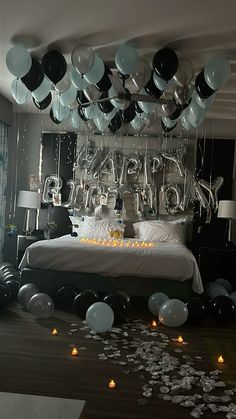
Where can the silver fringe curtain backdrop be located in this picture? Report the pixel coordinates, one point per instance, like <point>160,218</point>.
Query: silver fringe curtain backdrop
<point>3,180</point>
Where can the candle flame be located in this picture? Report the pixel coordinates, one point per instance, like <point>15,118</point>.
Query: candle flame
<point>154,323</point>
<point>74,352</point>
<point>180,339</point>
<point>54,332</point>
<point>112,384</point>
<point>221,359</point>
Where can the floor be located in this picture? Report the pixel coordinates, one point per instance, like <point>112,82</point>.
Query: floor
<point>32,361</point>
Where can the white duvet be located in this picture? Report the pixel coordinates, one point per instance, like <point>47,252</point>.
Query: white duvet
<point>163,260</point>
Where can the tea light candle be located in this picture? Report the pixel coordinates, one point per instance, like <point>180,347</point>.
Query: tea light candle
<point>154,323</point>
<point>54,332</point>
<point>221,359</point>
<point>74,352</point>
<point>112,384</point>
<point>180,339</point>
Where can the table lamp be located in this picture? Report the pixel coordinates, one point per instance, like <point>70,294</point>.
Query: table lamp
<point>227,209</point>
<point>29,200</point>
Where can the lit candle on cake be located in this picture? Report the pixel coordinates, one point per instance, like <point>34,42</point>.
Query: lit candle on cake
<point>54,332</point>
<point>221,359</point>
<point>112,384</point>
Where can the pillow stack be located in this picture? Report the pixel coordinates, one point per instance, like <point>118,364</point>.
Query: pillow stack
<point>97,229</point>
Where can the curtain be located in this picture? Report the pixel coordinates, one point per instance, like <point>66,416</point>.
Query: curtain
<point>3,181</point>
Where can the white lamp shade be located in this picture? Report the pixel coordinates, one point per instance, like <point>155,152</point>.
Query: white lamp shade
<point>29,199</point>
<point>227,209</point>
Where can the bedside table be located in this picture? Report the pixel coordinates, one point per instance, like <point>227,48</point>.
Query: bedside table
<point>217,262</point>
<point>22,243</point>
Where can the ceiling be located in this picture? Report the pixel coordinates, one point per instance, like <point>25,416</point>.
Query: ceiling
<point>196,29</point>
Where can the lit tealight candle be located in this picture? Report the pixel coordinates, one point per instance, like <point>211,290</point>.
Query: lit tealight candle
<point>154,323</point>
<point>54,332</point>
<point>180,339</point>
<point>112,384</point>
<point>221,359</point>
<point>74,352</point>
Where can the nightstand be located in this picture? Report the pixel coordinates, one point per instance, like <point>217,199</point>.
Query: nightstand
<point>217,262</point>
<point>22,243</point>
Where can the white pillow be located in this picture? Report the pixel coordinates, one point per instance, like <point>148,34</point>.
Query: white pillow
<point>98,229</point>
<point>161,231</point>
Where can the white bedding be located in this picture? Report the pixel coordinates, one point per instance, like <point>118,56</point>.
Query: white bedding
<point>67,253</point>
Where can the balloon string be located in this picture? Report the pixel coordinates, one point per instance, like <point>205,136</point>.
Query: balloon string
<point>212,149</point>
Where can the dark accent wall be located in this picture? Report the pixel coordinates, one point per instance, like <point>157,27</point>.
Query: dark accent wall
<point>58,148</point>
<point>214,158</point>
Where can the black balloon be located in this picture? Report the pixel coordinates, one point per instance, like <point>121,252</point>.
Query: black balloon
<point>55,120</point>
<point>64,297</point>
<point>104,84</point>
<point>165,63</point>
<point>106,106</point>
<point>118,303</point>
<point>166,129</point>
<point>44,103</point>
<point>54,65</point>
<point>81,113</point>
<point>223,309</point>
<point>196,309</point>
<point>129,113</point>
<point>175,114</point>
<point>34,77</point>
<point>115,123</point>
<point>152,89</point>
<point>201,86</point>
<point>4,296</point>
<point>81,99</point>
<point>83,301</point>
<point>13,286</point>
<point>5,265</point>
<point>137,108</point>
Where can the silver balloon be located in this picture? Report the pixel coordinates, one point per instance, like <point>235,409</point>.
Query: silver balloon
<point>172,196</point>
<point>134,165</point>
<point>212,189</point>
<point>147,201</point>
<point>95,160</point>
<point>184,73</point>
<point>156,163</point>
<point>155,302</point>
<point>177,157</point>
<point>41,306</point>
<point>114,165</point>
<point>100,317</point>
<point>123,173</point>
<point>201,197</point>
<point>25,293</point>
<point>52,185</point>
<point>83,58</point>
<point>168,108</point>
<point>141,75</point>
<point>92,93</point>
<point>105,167</point>
<point>138,123</point>
<point>147,171</point>
<point>182,95</point>
<point>85,155</point>
<point>74,186</point>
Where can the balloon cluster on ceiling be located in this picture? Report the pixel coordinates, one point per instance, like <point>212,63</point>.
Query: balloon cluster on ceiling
<point>83,90</point>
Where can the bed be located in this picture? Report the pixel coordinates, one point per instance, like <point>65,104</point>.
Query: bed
<point>135,266</point>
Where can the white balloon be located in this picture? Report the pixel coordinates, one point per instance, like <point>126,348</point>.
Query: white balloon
<point>43,90</point>
<point>25,293</point>
<point>59,111</point>
<point>75,119</point>
<point>155,302</point>
<point>68,97</point>
<point>19,91</point>
<point>147,107</point>
<point>64,84</point>
<point>205,103</point>
<point>173,313</point>
<point>100,317</point>
<point>77,79</point>
<point>18,61</point>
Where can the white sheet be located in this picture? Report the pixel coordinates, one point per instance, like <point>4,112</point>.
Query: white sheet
<point>163,260</point>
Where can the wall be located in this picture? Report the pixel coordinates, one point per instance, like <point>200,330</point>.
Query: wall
<point>28,127</point>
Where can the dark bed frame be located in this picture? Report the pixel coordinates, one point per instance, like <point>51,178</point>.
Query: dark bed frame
<point>49,281</point>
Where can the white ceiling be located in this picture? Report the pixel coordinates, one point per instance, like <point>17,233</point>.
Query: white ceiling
<point>197,29</point>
